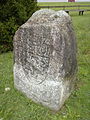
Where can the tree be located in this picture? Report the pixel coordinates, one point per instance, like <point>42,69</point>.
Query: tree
<point>13,14</point>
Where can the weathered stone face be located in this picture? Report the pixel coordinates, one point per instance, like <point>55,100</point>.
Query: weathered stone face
<point>45,58</point>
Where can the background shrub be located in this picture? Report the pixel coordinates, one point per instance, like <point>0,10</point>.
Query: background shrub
<point>13,13</point>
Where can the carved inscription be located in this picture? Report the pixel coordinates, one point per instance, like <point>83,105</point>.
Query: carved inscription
<point>34,51</point>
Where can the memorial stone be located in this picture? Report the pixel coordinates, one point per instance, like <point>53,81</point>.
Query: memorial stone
<point>45,58</point>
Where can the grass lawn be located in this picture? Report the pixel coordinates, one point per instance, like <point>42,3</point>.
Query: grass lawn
<point>15,106</point>
<point>65,4</point>
<point>62,3</point>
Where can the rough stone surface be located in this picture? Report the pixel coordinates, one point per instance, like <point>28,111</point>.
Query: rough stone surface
<point>45,58</point>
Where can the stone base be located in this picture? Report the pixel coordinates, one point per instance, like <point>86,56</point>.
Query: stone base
<point>50,93</point>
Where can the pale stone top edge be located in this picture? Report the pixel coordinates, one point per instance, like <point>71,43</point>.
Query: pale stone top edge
<point>48,17</point>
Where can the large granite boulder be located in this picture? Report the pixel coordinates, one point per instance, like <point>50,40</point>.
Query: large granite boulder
<point>45,58</point>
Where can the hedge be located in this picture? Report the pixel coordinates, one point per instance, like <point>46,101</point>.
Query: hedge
<point>13,14</point>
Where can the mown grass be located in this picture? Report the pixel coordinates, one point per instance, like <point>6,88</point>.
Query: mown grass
<point>15,106</point>
<point>65,4</point>
<point>62,3</point>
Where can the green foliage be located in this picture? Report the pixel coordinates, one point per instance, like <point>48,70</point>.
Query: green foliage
<point>7,31</point>
<point>13,14</point>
